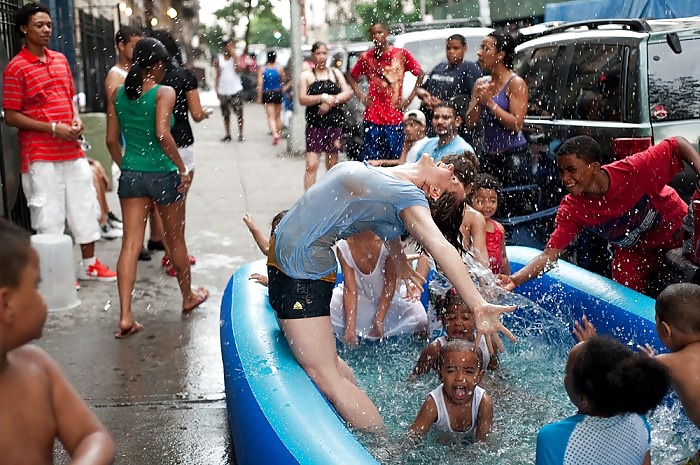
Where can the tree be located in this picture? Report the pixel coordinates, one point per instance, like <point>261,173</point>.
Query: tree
<point>235,11</point>
<point>212,36</point>
<point>388,12</point>
<point>269,31</point>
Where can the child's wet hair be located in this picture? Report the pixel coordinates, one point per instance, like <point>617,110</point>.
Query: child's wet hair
<point>451,298</point>
<point>679,306</point>
<point>14,253</point>
<point>466,166</point>
<point>486,182</point>
<point>276,220</point>
<point>460,345</point>
<point>616,380</point>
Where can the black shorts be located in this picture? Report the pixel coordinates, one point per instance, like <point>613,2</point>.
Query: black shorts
<point>298,298</point>
<point>272,96</point>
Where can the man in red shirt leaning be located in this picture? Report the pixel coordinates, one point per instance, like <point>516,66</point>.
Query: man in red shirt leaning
<point>56,177</point>
<point>626,202</point>
<point>384,66</point>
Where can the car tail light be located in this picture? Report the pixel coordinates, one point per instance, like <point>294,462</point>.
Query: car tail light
<point>623,147</point>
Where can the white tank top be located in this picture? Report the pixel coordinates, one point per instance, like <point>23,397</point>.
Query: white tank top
<point>369,285</point>
<point>443,419</point>
<point>229,80</point>
<point>119,71</point>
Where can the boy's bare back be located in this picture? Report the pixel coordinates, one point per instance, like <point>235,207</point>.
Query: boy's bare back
<point>684,366</point>
<point>39,405</point>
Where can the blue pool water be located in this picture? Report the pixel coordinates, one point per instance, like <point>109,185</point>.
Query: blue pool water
<point>527,390</point>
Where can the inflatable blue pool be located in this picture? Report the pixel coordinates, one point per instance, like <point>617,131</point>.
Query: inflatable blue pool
<point>277,415</point>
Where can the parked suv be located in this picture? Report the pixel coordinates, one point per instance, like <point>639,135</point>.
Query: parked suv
<point>627,83</point>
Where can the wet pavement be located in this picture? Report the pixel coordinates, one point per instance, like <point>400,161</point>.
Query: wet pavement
<point>161,392</point>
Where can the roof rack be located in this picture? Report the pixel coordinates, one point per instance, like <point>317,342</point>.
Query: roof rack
<point>636,25</point>
<point>400,28</point>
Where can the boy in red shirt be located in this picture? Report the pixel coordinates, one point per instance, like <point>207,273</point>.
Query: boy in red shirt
<point>56,177</point>
<point>626,202</point>
<point>384,66</point>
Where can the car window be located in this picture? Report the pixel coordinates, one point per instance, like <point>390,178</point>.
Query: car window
<point>674,81</point>
<point>537,69</point>
<point>428,52</point>
<point>593,84</point>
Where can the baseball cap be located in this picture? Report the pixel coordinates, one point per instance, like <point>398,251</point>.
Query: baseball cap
<point>417,115</point>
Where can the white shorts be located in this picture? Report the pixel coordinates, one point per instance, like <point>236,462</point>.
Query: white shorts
<point>60,191</point>
<point>187,155</point>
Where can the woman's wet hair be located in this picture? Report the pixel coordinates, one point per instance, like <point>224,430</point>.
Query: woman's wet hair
<point>14,253</point>
<point>447,212</point>
<point>170,44</point>
<point>317,45</point>
<point>466,166</point>
<point>460,345</point>
<point>271,56</point>
<point>24,14</point>
<point>616,380</point>
<point>584,147</point>
<point>505,43</point>
<point>147,52</point>
<point>678,305</point>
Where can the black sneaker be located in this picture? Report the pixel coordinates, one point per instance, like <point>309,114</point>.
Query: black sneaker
<point>155,245</point>
<point>241,138</point>
<point>226,139</point>
<point>144,255</point>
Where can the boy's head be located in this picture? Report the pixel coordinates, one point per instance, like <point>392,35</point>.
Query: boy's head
<point>456,316</point>
<point>485,195</point>
<point>455,48</point>
<point>414,125</point>
<point>466,168</point>
<point>446,119</point>
<point>578,160</point>
<point>460,368</point>
<point>22,308</point>
<point>125,39</point>
<point>379,33</point>
<point>678,315</point>
<point>33,23</point>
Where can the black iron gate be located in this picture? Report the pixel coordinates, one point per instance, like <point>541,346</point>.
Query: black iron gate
<point>13,205</point>
<point>97,50</point>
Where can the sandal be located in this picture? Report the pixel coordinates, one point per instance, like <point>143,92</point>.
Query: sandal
<point>136,327</point>
<point>202,296</point>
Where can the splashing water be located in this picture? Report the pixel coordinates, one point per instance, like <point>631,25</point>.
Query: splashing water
<point>527,391</point>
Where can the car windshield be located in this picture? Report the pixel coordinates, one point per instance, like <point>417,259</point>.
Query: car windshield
<point>674,81</point>
<point>428,52</point>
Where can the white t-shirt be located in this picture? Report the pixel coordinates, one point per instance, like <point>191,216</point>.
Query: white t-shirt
<point>412,155</point>
<point>229,80</point>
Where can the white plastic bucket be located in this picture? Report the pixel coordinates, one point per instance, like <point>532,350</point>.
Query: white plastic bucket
<point>57,271</point>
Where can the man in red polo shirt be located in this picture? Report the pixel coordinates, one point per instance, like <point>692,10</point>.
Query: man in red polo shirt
<point>384,66</point>
<point>56,177</point>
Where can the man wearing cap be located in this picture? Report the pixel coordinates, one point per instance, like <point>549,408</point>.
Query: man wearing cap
<point>414,138</point>
<point>446,122</point>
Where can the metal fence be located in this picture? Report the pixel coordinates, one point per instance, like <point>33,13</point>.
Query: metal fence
<point>13,205</point>
<point>97,51</point>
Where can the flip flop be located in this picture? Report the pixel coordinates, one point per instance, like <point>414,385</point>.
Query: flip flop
<point>124,333</point>
<point>202,296</point>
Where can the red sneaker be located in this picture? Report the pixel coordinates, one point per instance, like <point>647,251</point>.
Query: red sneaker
<point>97,272</point>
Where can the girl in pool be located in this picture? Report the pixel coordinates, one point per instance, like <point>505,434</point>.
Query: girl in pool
<point>458,322</point>
<point>613,388</point>
<point>458,407</point>
<point>353,197</point>
<point>368,302</point>
<point>485,201</point>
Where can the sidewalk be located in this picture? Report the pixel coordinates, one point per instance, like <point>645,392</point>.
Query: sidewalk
<point>161,392</point>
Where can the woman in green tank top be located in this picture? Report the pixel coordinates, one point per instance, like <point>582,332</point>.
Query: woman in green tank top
<point>151,170</point>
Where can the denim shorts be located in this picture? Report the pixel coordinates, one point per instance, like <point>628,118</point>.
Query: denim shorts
<point>298,298</point>
<point>159,186</point>
<point>382,142</point>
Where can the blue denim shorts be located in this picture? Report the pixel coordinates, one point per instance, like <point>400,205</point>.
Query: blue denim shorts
<point>159,186</point>
<point>382,142</point>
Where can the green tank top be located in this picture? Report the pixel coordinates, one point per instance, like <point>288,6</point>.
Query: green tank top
<point>137,121</point>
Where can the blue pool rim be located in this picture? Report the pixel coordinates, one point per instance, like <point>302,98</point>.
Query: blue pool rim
<point>277,415</point>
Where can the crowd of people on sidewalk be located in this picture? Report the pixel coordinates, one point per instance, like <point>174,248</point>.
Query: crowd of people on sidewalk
<point>418,177</point>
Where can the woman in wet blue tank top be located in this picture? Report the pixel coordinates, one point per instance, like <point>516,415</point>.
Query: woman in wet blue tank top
<point>271,78</point>
<point>499,101</point>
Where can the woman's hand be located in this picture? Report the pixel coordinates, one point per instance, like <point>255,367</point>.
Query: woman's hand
<point>414,280</point>
<point>488,324</point>
<point>482,93</point>
<point>259,278</point>
<point>185,182</point>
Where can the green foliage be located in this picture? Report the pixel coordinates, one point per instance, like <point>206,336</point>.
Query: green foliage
<point>212,36</point>
<point>388,12</point>
<point>262,21</point>
<point>263,29</point>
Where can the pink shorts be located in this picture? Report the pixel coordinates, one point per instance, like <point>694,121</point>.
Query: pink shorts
<point>323,139</point>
